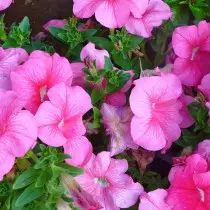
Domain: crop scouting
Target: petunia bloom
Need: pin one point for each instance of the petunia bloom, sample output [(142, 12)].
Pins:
[(60, 121), (105, 180), (4, 4), (154, 200), (190, 188), (204, 86), (107, 12), (18, 131), (9, 60), (192, 46), (152, 14), (203, 150), (55, 23), (117, 122), (35, 77), (154, 102)]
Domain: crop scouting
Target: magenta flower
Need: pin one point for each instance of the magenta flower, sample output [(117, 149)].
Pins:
[(152, 14), (187, 118), (9, 60), (105, 180), (204, 86), (60, 121), (54, 23), (35, 77), (154, 200), (191, 45), (117, 122), (203, 150), (4, 4), (18, 131), (190, 189), (107, 11), (154, 102)]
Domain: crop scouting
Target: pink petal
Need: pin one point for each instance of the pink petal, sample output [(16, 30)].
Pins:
[(204, 34), (138, 8), (204, 86), (116, 99), (80, 150), (184, 39), (109, 16), (4, 4), (78, 74), (203, 149), (85, 8), (54, 23)]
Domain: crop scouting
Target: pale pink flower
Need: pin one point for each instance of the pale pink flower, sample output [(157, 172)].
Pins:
[(4, 4), (60, 121), (54, 23), (9, 60), (187, 118), (154, 200), (107, 12), (192, 46), (18, 131), (105, 180), (152, 14), (154, 102), (117, 122), (204, 87), (35, 77), (203, 150), (190, 188)]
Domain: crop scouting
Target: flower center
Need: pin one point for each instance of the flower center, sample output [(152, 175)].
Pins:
[(43, 92), (102, 182), (194, 51), (153, 105), (61, 123), (202, 194)]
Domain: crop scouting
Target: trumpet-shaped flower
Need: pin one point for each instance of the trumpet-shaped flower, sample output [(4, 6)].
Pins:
[(190, 188), (60, 121), (152, 14), (105, 180), (35, 77), (117, 122), (18, 131), (9, 60), (192, 46), (107, 12), (154, 102)]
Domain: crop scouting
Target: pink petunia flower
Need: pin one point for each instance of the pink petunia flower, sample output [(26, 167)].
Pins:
[(204, 86), (152, 14), (18, 131), (187, 118), (9, 60), (117, 122), (190, 188), (54, 23), (107, 11), (154, 102), (203, 150), (192, 46), (4, 4), (60, 121), (35, 77), (154, 200), (105, 180)]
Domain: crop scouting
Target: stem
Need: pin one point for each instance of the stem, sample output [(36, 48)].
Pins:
[(32, 155), (68, 53)]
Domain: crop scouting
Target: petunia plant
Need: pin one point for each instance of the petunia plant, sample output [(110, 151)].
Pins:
[(107, 109)]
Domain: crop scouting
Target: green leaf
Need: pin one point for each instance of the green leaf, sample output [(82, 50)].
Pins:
[(74, 171), (41, 164), (102, 43), (30, 194), (88, 33), (122, 62), (108, 64), (26, 178), (24, 24), (199, 13), (44, 177), (56, 32), (96, 96), (136, 41)]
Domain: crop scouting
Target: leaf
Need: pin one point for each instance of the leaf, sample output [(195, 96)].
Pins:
[(108, 64), (24, 25), (88, 33), (102, 43), (96, 96), (122, 62), (199, 13), (26, 178), (136, 41), (30, 194), (41, 164), (56, 31), (44, 177), (72, 170)]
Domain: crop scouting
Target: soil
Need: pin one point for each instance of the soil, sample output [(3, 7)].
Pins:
[(38, 11)]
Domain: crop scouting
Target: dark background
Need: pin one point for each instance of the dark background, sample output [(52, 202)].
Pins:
[(38, 11)]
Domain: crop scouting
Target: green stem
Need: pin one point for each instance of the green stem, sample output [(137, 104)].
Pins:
[(33, 156)]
